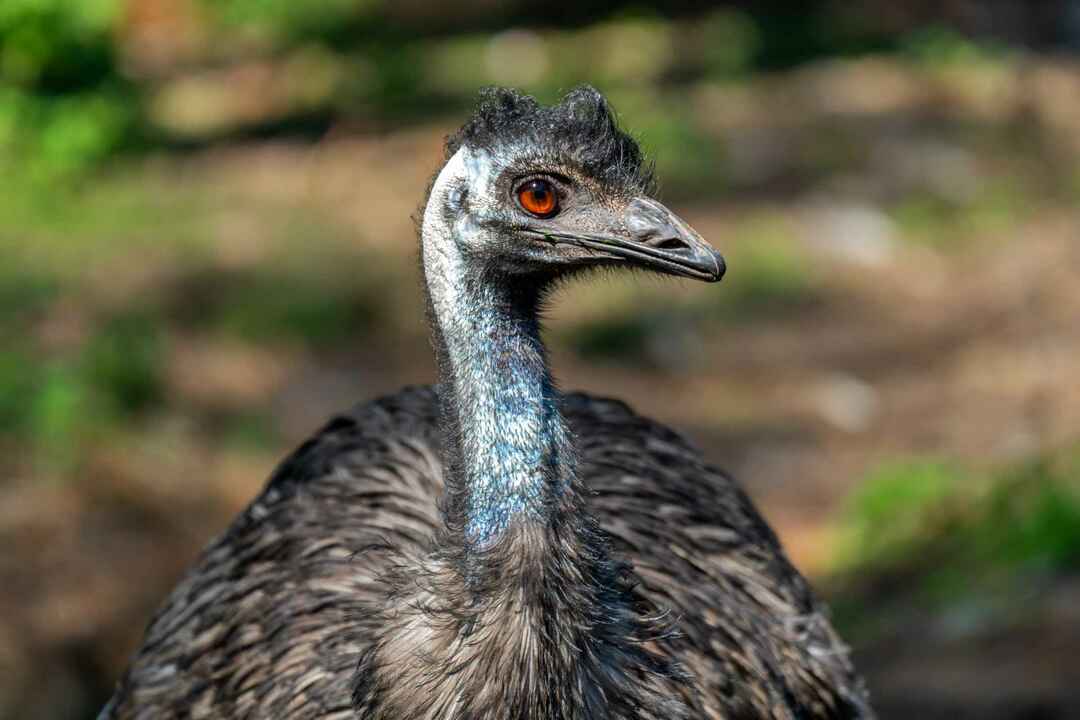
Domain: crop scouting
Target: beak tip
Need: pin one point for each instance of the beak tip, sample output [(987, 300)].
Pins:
[(721, 267)]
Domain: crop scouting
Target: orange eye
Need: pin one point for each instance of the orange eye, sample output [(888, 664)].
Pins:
[(538, 197)]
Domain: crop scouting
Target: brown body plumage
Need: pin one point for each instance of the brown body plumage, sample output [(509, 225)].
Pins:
[(275, 618), (376, 578)]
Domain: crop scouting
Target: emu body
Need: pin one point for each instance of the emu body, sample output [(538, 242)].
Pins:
[(491, 548)]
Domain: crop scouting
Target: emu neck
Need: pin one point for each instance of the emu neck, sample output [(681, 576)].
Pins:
[(508, 445), (508, 452), (495, 620)]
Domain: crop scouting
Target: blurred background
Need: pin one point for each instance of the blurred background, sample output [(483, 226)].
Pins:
[(206, 249)]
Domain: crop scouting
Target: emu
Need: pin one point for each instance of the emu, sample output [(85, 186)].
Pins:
[(491, 547)]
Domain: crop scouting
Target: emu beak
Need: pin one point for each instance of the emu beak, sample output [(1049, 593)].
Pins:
[(650, 236), (660, 240)]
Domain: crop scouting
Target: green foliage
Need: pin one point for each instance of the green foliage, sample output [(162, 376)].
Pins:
[(942, 47), (62, 106), (1032, 516), (289, 21), (44, 405), (731, 42), (48, 138), (62, 109), (18, 385), (962, 532), (896, 507), (56, 44), (124, 363), (54, 402), (58, 412)]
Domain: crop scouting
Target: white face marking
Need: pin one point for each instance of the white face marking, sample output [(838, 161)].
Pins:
[(481, 171), (442, 257)]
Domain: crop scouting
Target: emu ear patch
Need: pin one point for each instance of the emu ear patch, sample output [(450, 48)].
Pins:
[(456, 198)]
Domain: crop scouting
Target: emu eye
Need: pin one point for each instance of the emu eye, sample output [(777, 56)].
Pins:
[(538, 198)]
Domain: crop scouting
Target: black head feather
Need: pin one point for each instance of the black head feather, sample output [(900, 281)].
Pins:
[(581, 131)]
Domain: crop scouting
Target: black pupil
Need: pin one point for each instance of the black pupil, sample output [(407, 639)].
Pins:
[(539, 192)]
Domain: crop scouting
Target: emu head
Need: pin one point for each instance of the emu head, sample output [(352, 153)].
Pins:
[(541, 191)]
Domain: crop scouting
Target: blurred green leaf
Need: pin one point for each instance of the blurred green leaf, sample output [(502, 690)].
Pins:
[(939, 46), (20, 378), (960, 532), (61, 407), (124, 362), (286, 20), (56, 41), (731, 40), (893, 509)]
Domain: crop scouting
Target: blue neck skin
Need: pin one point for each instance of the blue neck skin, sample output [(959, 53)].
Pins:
[(513, 444)]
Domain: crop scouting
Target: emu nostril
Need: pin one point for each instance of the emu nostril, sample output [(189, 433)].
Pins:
[(669, 243)]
